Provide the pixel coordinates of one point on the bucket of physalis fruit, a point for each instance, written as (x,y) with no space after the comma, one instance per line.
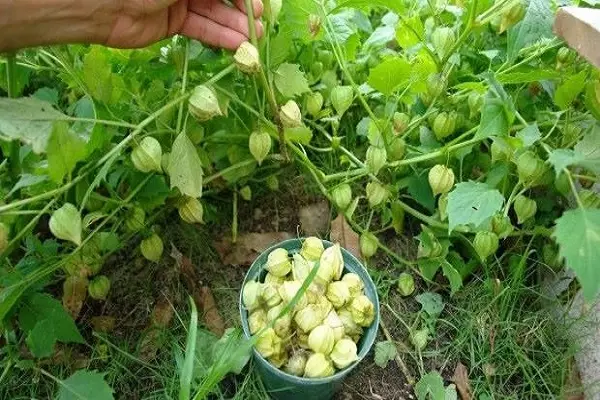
(331,321)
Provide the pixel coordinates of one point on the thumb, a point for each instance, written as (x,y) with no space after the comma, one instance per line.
(151,6)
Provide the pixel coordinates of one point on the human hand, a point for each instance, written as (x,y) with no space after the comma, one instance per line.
(141,22)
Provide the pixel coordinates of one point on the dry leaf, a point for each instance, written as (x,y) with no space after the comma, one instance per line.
(314,218)
(343,234)
(74,294)
(162,314)
(212,318)
(461,380)
(201,294)
(248,247)
(103,323)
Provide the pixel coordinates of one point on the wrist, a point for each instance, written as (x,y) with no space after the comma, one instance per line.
(27,23)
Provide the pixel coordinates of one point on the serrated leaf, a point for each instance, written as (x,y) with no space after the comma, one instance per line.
(64,150)
(529,135)
(410,32)
(494,121)
(185,167)
(384,353)
(390,75)
(85,385)
(97,74)
(290,81)
(472,204)
(535,25)
(29,120)
(432,385)
(431,303)
(569,90)
(577,233)
(295,16)
(585,154)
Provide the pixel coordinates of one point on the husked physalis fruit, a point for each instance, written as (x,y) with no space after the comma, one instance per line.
(342,196)
(318,366)
(257,321)
(376,194)
(444,125)
(191,211)
(135,221)
(331,265)
(475,102)
(324,305)
(278,360)
(246,193)
(530,167)
(363,310)
(152,248)
(275,8)
(302,339)
(485,244)
(375,159)
(296,363)
(334,321)
(282,324)
(368,244)
(147,156)
(270,295)
(401,122)
(312,248)
(247,59)
(204,104)
(289,289)
(513,15)
(3,237)
(341,98)
(443,39)
(441,179)
(290,115)
(276,280)
(338,293)
(309,317)
(268,343)
(251,295)
(300,267)
(344,353)
(351,328)
(65,223)
(98,287)
(419,339)
(354,283)
(278,262)
(314,103)
(406,284)
(321,339)
(443,206)
(525,208)
(259,145)
(501,225)
(396,149)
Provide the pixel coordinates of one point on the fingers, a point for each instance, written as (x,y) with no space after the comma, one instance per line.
(257,7)
(226,16)
(211,33)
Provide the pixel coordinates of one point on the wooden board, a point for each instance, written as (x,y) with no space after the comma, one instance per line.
(580,28)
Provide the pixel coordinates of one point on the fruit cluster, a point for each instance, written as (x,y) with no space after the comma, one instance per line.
(314,333)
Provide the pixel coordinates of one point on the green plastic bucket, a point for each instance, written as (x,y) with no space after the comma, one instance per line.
(283,386)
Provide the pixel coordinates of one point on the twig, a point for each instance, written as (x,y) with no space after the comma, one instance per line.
(409,378)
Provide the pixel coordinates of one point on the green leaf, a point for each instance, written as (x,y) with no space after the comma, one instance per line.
(393,5)
(301,134)
(410,32)
(390,75)
(431,303)
(494,121)
(577,233)
(295,16)
(85,385)
(27,180)
(453,276)
(384,353)
(97,74)
(41,339)
(29,120)
(185,167)
(529,135)
(450,393)
(472,203)
(585,154)
(65,149)
(535,25)
(430,386)
(290,81)
(570,89)
(420,190)
(528,75)
(281,46)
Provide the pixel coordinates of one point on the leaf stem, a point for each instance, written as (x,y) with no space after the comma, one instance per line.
(184,81)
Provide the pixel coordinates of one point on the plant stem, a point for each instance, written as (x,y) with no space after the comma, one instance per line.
(435,154)
(407,375)
(234,223)
(184,80)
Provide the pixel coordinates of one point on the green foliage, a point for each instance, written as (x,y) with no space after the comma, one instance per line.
(88,385)
(384,353)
